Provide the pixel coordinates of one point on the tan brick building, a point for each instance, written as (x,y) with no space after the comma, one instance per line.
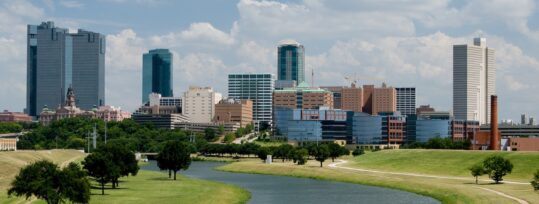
(376,100)
(234,111)
(7,116)
(303,97)
(347,98)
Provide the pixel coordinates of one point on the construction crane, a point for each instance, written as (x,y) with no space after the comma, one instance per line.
(354,79)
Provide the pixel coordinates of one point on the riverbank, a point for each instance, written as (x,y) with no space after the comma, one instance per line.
(156,187)
(444,190)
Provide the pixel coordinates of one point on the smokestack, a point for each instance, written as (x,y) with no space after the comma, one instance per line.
(494,136)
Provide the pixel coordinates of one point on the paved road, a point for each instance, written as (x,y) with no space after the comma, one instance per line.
(245,137)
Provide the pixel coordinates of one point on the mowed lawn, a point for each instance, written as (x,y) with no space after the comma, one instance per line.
(445,162)
(146,187)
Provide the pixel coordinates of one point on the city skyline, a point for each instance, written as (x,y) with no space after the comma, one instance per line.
(420,58)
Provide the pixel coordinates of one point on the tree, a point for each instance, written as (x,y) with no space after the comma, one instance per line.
(322,153)
(476,171)
(300,155)
(535,182)
(358,151)
(174,157)
(497,167)
(336,150)
(209,134)
(101,168)
(44,180)
(263,153)
(123,158)
(283,151)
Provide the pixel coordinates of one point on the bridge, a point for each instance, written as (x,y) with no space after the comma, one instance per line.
(140,155)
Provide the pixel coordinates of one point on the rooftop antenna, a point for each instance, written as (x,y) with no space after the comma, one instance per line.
(312,77)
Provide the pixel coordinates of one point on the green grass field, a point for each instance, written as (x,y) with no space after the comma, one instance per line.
(445,162)
(146,187)
(445,190)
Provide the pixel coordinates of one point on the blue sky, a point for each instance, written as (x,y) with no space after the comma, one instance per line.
(404,43)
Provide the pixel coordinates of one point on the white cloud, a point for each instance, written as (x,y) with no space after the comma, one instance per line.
(514,84)
(71,4)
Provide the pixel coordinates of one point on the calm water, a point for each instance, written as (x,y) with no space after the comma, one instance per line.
(283,189)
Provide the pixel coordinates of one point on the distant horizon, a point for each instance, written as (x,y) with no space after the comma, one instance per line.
(405,44)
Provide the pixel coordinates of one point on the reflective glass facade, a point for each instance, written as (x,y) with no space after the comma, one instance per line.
(367,129)
(56,60)
(291,62)
(157,73)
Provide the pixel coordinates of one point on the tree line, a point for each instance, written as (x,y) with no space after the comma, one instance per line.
(439,143)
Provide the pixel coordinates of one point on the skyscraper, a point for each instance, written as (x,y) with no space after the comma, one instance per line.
(291,58)
(156,73)
(56,60)
(256,87)
(474,81)
(406,100)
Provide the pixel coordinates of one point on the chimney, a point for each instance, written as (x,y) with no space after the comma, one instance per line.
(494,136)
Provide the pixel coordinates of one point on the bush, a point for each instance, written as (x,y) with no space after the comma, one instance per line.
(358,151)
(535,182)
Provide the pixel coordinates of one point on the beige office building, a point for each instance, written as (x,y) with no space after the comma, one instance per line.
(199,104)
(234,111)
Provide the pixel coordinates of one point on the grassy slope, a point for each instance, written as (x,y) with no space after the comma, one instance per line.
(445,190)
(445,162)
(155,187)
(147,187)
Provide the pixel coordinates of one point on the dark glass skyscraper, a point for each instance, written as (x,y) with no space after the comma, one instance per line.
(56,60)
(291,58)
(156,73)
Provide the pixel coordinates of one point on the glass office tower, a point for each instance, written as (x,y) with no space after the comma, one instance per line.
(57,60)
(259,89)
(156,73)
(291,58)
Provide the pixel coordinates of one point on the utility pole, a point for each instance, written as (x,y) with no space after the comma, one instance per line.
(88,140)
(94,135)
(105,131)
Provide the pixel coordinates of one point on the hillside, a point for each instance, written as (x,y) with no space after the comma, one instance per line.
(445,162)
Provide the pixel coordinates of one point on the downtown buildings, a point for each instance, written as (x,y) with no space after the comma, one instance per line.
(57,60)
(474,81)
(290,64)
(199,104)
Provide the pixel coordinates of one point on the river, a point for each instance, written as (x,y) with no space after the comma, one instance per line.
(284,189)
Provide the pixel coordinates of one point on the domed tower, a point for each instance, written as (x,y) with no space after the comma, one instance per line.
(70,97)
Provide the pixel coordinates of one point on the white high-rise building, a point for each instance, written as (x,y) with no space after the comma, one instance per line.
(474,81)
(199,104)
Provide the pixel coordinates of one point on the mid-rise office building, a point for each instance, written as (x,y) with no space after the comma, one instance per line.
(161,105)
(406,100)
(346,98)
(291,61)
(474,81)
(57,60)
(199,104)
(157,73)
(234,111)
(302,97)
(257,88)
(384,128)
(423,127)
(424,108)
(379,99)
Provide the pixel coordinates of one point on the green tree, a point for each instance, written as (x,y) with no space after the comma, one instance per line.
(121,157)
(263,153)
(283,151)
(358,151)
(300,156)
(44,180)
(336,150)
(322,153)
(175,156)
(101,168)
(476,171)
(210,134)
(535,182)
(497,167)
